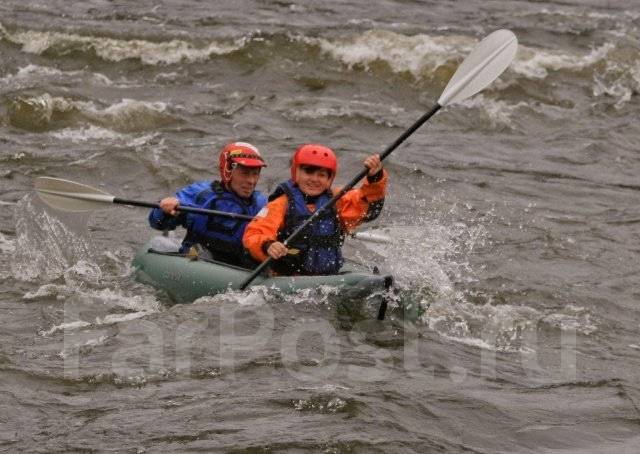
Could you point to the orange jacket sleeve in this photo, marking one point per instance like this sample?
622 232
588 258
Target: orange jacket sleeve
353 206
265 228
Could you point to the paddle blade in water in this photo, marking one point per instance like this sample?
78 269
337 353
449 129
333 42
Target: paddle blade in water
483 65
67 195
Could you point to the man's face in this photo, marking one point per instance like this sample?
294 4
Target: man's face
244 180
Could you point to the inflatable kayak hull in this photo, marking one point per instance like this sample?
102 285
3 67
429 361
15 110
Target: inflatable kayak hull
185 279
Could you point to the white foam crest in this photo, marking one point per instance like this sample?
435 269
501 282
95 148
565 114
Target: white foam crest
620 81
45 248
110 319
108 297
536 63
7 248
64 327
111 49
130 115
45 291
590 14
117 318
617 89
580 322
43 106
32 75
254 296
86 134
30 70
421 55
502 327
338 108
499 113
416 54
259 295
118 298
127 115
488 326
319 295
635 73
7 245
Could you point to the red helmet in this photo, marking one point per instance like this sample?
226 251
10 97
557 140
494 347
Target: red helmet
241 153
313 154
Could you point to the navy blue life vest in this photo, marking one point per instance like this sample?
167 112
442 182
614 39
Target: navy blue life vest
319 243
222 235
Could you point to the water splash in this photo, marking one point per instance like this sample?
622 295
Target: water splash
434 263
45 248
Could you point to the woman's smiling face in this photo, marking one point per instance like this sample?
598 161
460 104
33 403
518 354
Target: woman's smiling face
313 180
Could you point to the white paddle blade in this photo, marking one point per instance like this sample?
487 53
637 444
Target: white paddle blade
67 195
372 237
484 64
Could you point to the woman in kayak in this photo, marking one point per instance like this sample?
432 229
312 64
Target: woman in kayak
239 165
317 250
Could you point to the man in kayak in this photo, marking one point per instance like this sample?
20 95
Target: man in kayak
239 165
317 250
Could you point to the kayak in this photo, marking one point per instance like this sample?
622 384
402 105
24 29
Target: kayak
186 279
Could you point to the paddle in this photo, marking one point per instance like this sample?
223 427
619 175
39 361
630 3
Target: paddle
485 63
67 195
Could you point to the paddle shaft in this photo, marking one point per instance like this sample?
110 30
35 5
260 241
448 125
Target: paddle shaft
186 209
422 120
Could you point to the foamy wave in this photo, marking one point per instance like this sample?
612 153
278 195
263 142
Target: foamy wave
337 108
429 57
65 326
499 113
419 55
590 14
129 115
86 134
490 327
110 49
37 113
35 76
620 79
536 63
36 70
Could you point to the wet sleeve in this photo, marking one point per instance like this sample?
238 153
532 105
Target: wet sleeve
161 221
264 228
363 204
187 197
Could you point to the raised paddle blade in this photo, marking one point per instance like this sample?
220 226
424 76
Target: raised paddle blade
484 64
67 195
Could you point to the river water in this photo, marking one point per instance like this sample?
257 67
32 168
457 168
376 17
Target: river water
514 215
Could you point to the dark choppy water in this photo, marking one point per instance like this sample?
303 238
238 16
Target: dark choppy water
516 216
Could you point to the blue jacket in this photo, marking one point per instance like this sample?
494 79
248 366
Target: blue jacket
220 235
